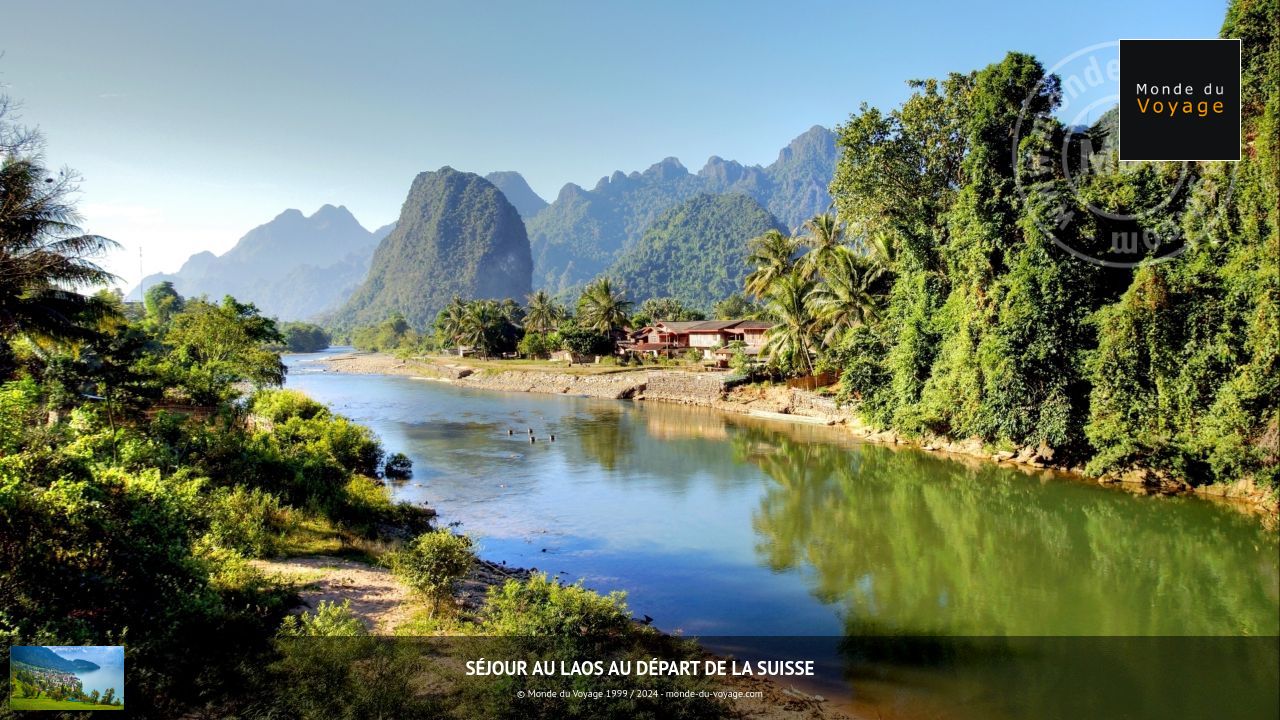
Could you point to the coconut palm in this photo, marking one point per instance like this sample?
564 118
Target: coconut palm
823 235
793 331
846 297
602 307
481 325
450 321
773 255
45 257
543 313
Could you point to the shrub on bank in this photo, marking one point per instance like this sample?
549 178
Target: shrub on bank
543 607
433 562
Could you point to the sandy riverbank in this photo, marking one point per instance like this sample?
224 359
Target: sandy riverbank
765 401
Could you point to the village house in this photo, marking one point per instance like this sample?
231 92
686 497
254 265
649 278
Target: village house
710 337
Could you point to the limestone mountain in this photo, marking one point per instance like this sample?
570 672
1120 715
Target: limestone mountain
293 267
457 235
512 184
696 251
583 231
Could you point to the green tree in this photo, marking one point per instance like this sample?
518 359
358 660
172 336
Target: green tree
848 295
602 307
486 327
772 257
44 255
823 236
664 308
301 337
736 307
790 341
162 302
215 346
543 314
449 322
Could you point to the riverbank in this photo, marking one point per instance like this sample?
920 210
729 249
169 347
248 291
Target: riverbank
776 402
387 607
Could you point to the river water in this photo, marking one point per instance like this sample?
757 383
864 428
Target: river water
928 582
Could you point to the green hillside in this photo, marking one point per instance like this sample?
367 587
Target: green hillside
695 252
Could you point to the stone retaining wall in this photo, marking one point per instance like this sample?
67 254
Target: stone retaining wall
617 386
688 388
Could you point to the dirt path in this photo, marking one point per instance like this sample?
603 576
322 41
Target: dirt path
383 603
377 597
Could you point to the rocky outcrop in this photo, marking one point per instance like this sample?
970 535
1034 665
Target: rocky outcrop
457 235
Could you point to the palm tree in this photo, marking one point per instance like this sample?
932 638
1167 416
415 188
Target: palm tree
450 320
823 235
481 325
846 297
773 255
792 333
45 257
602 307
543 313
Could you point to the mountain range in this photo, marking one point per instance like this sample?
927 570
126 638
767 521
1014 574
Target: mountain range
305 267
457 235
583 231
293 267
42 657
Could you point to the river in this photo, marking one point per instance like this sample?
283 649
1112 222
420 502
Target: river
934 585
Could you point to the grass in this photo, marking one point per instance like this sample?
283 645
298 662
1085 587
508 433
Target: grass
318 536
44 703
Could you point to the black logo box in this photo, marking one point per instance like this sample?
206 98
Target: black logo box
1177 72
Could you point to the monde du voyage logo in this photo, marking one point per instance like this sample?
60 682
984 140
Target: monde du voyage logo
1179 100
1176 128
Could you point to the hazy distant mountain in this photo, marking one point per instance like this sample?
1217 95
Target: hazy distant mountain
695 251
43 657
583 231
512 184
457 235
293 267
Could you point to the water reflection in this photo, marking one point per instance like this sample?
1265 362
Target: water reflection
906 543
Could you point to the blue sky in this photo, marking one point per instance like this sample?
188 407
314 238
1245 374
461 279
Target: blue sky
193 122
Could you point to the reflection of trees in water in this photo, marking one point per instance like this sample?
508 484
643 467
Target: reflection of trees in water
667 444
908 543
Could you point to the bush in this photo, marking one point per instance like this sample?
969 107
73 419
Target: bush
536 345
248 520
581 341
328 620
280 405
433 562
398 466
543 607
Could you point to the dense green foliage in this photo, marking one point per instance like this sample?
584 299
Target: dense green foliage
584 231
300 337
984 328
126 525
694 251
457 236
132 483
